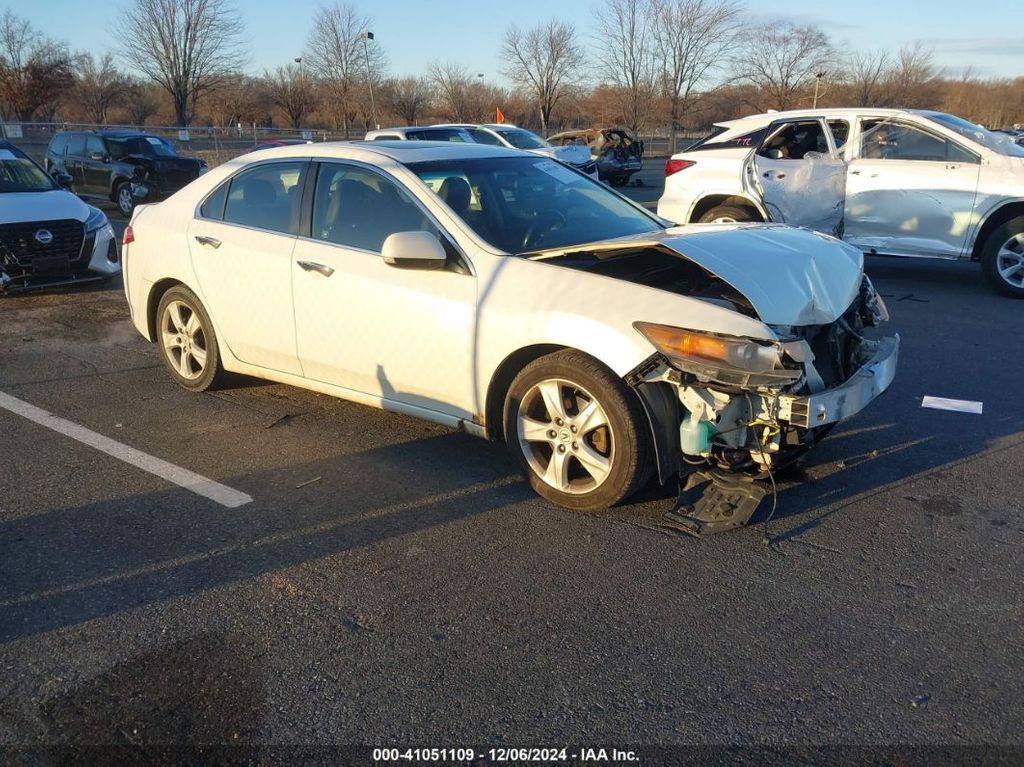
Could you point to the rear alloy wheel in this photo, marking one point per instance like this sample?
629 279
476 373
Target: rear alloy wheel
1002 258
727 214
577 432
187 341
124 199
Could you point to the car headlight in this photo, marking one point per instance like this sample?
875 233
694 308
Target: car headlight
730 360
97 219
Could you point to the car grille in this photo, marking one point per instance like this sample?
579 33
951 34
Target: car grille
20 245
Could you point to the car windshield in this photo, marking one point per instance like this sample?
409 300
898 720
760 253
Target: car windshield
20 174
526 204
997 142
150 146
523 139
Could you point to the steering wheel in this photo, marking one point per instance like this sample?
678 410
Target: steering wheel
545 222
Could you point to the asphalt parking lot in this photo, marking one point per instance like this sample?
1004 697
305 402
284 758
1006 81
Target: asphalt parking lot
396 583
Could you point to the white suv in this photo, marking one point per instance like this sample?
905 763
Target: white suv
496 134
898 182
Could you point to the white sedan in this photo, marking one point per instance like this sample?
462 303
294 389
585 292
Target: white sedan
510 296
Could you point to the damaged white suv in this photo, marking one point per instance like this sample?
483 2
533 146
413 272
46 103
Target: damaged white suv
894 182
509 296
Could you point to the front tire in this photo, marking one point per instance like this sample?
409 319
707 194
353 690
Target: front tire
124 200
577 432
727 214
188 344
1002 258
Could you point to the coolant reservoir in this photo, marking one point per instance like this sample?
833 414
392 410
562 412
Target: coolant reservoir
694 434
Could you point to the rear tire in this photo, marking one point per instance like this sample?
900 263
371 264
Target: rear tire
578 433
188 344
1002 258
728 214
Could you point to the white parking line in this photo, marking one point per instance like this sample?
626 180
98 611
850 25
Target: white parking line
191 481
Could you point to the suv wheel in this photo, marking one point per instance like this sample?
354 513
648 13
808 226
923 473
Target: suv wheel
727 214
1002 258
124 199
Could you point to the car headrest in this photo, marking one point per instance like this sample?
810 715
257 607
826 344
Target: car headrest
258 191
455 191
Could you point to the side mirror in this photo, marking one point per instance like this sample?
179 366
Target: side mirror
99 157
414 250
64 180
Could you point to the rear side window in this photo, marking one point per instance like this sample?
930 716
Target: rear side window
388 137
213 206
266 197
840 132
59 142
791 141
746 141
481 136
76 144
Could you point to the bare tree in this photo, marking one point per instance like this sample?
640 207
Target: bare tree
141 101
238 100
626 47
408 97
98 85
867 72
342 59
914 76
692 40
292 91
453 87
781 61
34 70
187 46
545 61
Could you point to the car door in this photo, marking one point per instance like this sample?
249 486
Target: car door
798 175
73 162
909 190
241 244
404 335
95 167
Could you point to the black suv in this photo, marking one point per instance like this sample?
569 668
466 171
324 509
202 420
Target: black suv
123 166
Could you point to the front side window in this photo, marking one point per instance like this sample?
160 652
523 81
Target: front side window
76 145
59 142
525 204
148 146
94 146
482 136
882 140
358 208
265 197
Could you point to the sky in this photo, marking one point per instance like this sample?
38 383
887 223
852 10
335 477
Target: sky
414 33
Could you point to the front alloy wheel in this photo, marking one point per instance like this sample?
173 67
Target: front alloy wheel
577 431
125 201
187 342
1002 258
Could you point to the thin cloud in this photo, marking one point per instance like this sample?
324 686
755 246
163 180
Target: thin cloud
997 46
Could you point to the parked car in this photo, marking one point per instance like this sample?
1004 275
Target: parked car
503 134
122 166
617 153
520 301
896 182
48 236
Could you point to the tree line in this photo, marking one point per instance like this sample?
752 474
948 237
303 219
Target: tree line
665 65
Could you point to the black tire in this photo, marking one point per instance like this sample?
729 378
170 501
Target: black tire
721 214
212 371
124 200
625 443
990 259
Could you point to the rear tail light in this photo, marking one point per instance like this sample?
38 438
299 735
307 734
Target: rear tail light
674 166
129 236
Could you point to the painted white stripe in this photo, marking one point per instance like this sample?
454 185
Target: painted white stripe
957 405
191 481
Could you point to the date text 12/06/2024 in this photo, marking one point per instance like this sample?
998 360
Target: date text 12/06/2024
505 754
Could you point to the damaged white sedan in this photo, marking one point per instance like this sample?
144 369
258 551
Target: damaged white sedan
517 299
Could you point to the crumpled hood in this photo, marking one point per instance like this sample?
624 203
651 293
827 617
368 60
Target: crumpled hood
790 276
22 207
572 154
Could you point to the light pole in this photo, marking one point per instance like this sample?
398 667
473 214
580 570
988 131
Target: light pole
364 36
817 82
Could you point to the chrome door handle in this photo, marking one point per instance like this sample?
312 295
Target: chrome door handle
202 239
774 174
312 266
854 172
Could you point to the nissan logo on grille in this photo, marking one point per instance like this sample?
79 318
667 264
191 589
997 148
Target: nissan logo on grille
44 236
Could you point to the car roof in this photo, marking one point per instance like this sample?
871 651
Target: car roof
400 151
765 117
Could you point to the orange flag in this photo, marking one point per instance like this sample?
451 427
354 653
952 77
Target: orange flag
499 116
